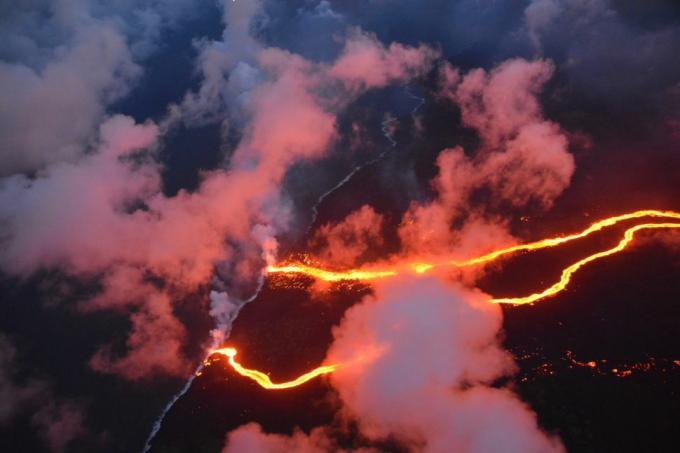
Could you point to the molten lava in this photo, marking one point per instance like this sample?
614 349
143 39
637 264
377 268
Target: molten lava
289 269
552 242
264 380
567 273
572 269
330 276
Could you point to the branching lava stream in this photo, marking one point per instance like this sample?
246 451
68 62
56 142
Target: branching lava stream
365 274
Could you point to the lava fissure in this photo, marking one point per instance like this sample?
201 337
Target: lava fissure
263 380
569 271
366 274
420 268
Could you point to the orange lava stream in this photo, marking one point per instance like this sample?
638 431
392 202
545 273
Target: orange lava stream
418 267
364 274
263 380
571 270
552 242
330 276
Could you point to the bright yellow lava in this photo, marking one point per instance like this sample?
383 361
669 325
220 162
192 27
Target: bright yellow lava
264 380
571 270
552 242
421 268
330 276
365 274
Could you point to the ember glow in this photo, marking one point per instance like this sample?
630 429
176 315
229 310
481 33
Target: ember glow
421 268
263 379
601 367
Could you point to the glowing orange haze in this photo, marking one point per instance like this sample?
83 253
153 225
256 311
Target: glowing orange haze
420 268
365 274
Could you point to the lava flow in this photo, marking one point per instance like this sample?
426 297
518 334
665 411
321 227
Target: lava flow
567 273
366 274
263 380
330 276
571 270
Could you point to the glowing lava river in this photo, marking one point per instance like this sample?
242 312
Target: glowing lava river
263 379
292 269
421 268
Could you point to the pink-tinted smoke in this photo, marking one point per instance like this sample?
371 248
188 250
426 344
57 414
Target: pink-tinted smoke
420 358
105 215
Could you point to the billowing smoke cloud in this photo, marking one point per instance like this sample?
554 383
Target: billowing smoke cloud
522 160
82 192
156 339
344 243
105 215
96 70
429 346
364 63
275 92
75 57
419 364
611 54
431 349
250 438
91 195
228 68
234 66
